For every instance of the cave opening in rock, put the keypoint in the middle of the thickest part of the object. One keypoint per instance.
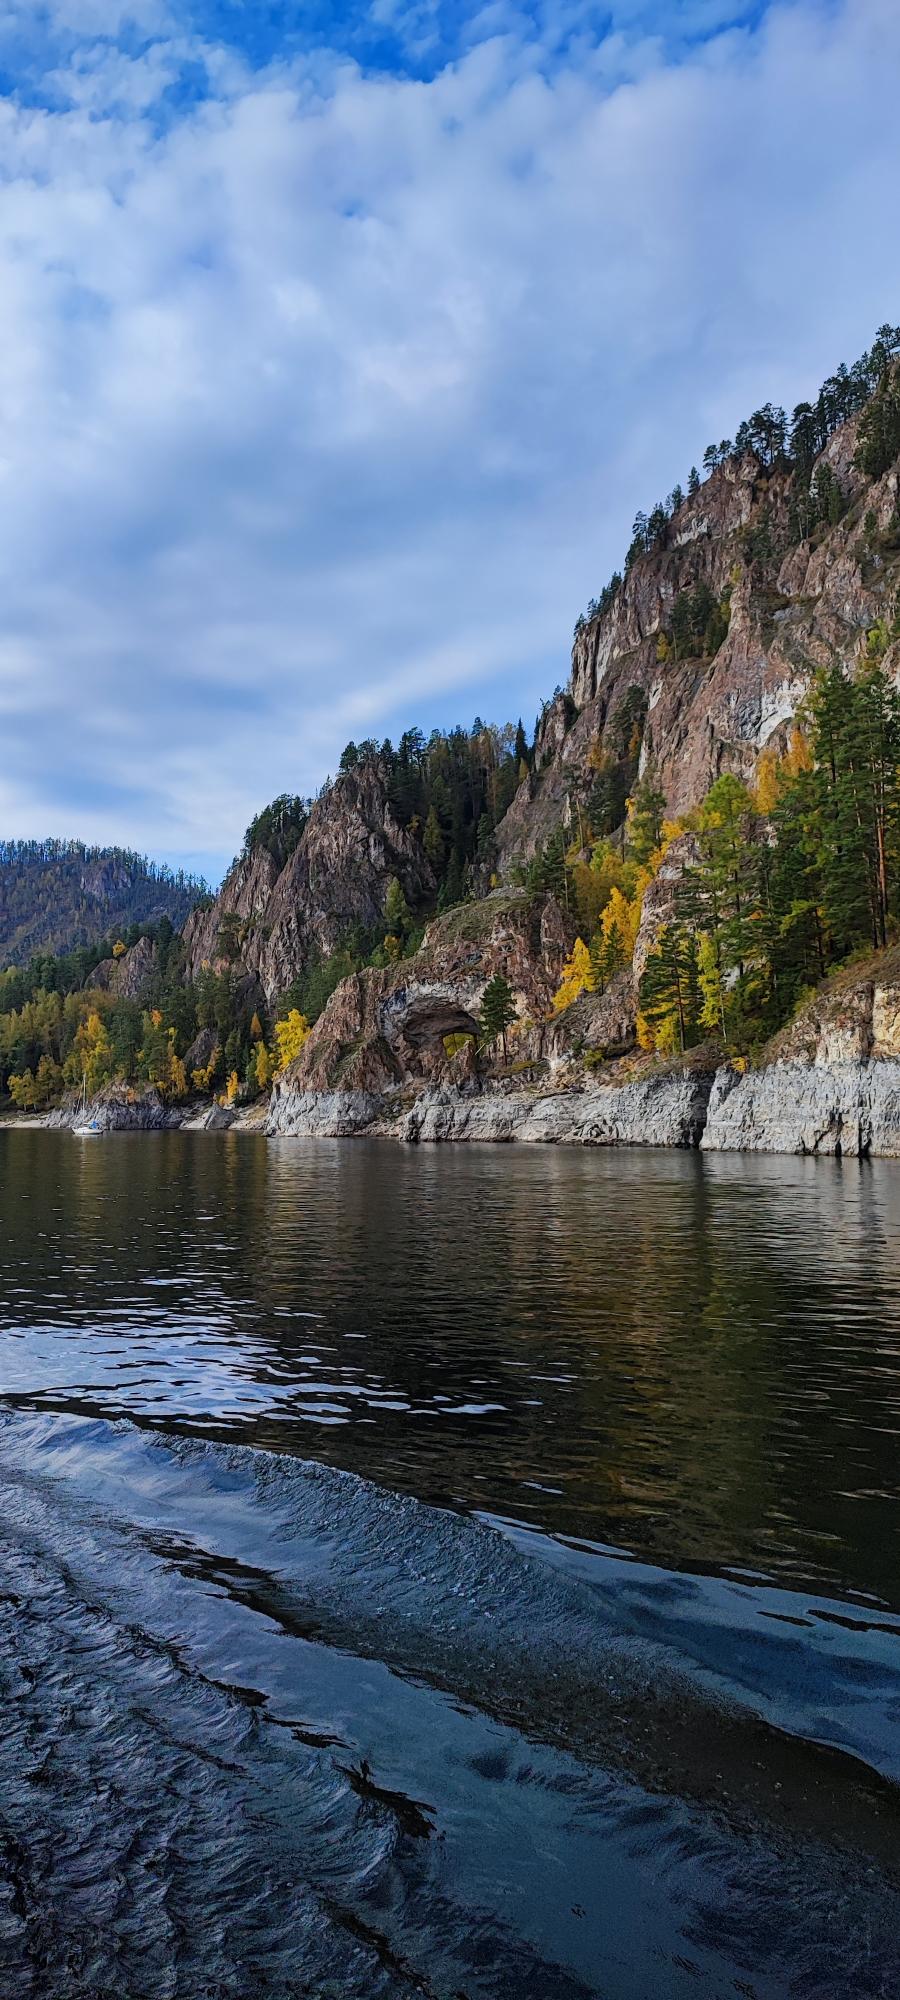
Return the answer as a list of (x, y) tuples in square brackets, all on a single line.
[(431, 1018)]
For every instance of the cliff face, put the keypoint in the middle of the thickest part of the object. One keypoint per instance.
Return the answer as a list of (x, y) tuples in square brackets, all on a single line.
[(127, 976), (793, 608), (385, 1029), (337, 877)]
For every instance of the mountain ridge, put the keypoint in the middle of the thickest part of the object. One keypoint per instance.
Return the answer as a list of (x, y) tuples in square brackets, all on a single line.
[(57, 895)]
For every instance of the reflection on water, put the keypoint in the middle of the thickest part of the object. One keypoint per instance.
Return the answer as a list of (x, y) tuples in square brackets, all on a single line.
[(693, 1358), (274, 1728)]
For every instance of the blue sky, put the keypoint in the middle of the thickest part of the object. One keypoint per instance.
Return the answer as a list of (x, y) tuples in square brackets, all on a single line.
[(341, 346)]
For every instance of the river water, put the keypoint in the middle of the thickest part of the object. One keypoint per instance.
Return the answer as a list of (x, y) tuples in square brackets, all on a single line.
[(452, 1572)]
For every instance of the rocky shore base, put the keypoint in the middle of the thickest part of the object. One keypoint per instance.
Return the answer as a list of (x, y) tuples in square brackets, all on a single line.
[(841, 1108)]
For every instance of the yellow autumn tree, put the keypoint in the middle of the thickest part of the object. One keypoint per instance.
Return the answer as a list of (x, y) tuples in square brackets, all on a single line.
[(256, 1029), (202, 1079), (799, 756), (591, 885), (91, 1055), (622, 916), (773, 773), (232, 1088), (175, 1086), (712, 990), (22, 1091), (660, 1036), (48, 1082), (577, 977), (119, 949), (645, 1033), (265, 1067), (290, 1036), (767, 784)]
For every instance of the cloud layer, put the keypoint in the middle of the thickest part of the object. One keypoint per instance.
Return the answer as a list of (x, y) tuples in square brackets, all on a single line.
[(331, 384)]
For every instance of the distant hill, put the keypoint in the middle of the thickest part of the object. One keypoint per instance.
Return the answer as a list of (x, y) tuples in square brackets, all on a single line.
[(57, 894)]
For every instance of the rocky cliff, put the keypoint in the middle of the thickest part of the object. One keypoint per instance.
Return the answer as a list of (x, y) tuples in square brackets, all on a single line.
[(274, 920), (791, 606), (387, 1029), (785, 605)]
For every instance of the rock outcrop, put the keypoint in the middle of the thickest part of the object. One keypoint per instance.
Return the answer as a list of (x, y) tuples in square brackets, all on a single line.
[(276, 920), (832, 1081), (127, 976), (845, 1109), (386, 1028), (327, 1114), (792, 608), (849, 1109), (664, 1109), (830, 1085)]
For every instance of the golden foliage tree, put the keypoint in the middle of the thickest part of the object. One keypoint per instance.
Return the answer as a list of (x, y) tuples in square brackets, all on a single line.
[(577, 977), (91, 1056), (22, 1091), (48, 1082), (290, 1036)]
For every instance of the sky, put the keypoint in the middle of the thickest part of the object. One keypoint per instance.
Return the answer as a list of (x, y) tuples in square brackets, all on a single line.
[(340, 346)]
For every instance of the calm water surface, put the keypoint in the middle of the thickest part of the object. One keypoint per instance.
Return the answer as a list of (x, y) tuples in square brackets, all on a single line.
[(587, 1679)]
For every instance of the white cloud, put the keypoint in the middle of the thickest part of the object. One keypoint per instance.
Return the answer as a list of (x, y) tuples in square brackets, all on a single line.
[(328, 401)]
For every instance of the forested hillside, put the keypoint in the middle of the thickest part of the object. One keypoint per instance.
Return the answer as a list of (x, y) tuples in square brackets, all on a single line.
[(58, 894)]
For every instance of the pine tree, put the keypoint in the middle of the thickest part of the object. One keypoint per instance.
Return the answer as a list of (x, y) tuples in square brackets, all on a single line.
[(720, 889), (433, 840), (397, 913), (669, 992), (856, 745), (451, 889), (549, 873), (497, 1011), (645, 821)]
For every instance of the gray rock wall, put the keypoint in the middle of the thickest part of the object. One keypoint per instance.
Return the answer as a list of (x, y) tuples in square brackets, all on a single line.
[(322, 1114), (666, 1110), (661, 1111), (842, 1108)]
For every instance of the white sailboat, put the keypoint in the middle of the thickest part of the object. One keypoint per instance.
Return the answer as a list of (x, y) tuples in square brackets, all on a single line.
[(86, 1128)]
